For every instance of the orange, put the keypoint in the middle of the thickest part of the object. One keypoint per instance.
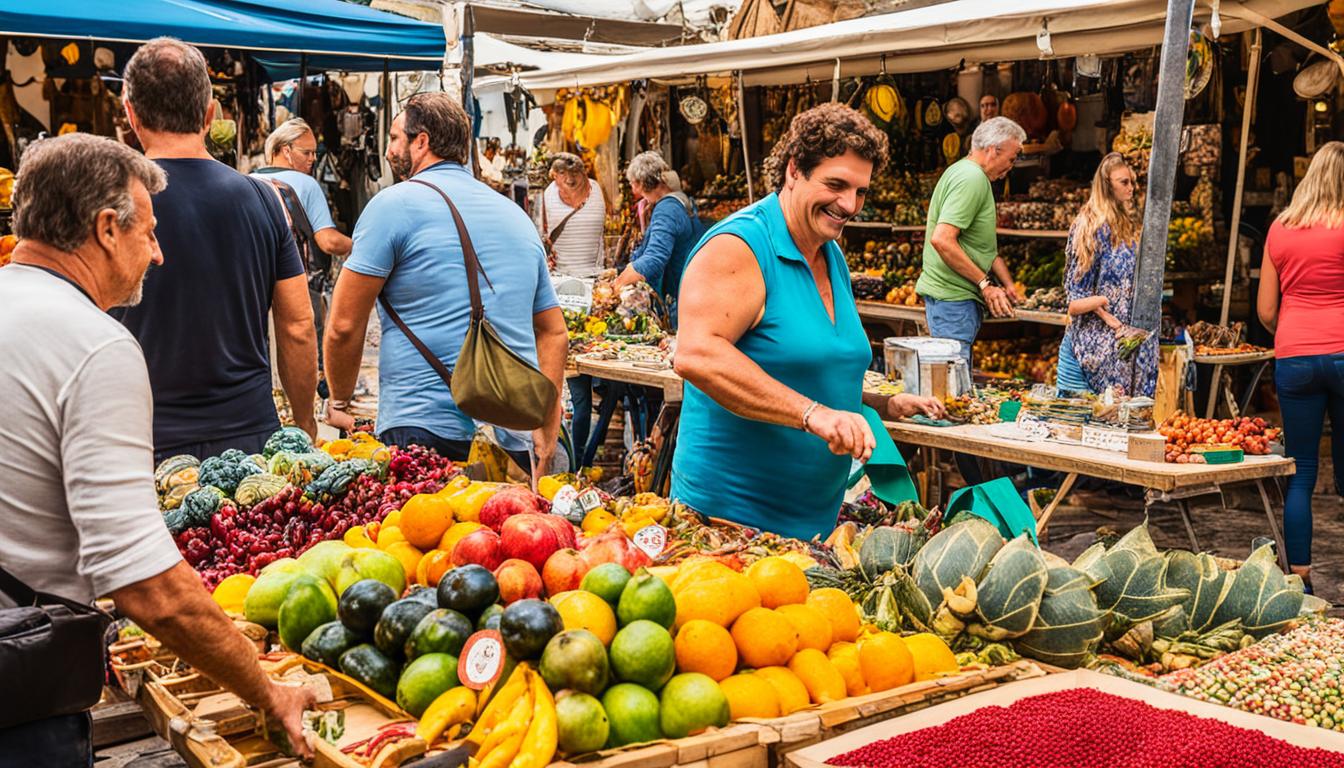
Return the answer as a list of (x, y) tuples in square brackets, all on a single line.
[(764, 638), (424, 518), (697, 568), (823, 681), (845, 657), (790, 690), (779, 581), (705, 647), (408, 555), (931, 656), (839, 610), (814, 630), (885, 661), (585, 610), (597, 520), (720, 596), (750, 696), (435, 563), (455, 533)]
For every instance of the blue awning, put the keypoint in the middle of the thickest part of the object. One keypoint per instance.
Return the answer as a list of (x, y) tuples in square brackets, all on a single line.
[(334, 35)]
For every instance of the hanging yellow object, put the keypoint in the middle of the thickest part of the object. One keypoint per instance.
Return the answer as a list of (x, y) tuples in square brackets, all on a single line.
[(569, 123), (70, 53), (882, 100), (597, 124)]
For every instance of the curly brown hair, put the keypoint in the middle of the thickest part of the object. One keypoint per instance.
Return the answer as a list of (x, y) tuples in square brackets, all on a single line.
[(826, 130)]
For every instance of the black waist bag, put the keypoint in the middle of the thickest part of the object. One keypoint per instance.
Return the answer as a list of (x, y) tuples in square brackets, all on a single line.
[(51, 654)]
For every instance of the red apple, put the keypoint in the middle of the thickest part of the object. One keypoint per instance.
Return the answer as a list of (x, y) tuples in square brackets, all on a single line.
[(564, 571), (480, 547), (507, 502), (518, 580), (529, 537), (614, 547)]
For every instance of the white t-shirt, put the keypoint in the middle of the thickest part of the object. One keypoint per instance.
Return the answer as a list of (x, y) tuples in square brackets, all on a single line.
[(578, 250), (80, 518)]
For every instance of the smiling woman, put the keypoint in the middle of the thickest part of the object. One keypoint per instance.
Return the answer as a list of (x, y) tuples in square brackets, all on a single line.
[(770, 342)]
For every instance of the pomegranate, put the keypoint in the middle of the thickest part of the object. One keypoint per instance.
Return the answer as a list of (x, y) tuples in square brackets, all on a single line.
[(518, 580), (480, 547), (614, 547), (563, 571), (529, 537), (507, 502)]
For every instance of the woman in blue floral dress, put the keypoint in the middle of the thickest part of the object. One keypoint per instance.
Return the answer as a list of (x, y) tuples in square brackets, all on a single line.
[(1101, 259)]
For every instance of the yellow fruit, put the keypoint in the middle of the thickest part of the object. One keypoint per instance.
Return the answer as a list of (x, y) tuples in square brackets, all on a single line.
[(585, 610), (632, 525), (424, 518), (231, 592), (597, 521), (750, 696), (407, 554), (823, 681), (790, 690), (697, 568), (705, 647), (455, 534), (420, 568), (764, 638), (885, 661), (548, 486), (358, 537), (931, 656), (720, 600), (389, 535), (778, 581), (839, 610), (845, 657), (467, 504), (393, 519), (814, 630), (458, 483), (435, 563)]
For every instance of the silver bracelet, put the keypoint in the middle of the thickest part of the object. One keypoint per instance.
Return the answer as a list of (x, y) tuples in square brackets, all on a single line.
[(338, 405), (808, 414)]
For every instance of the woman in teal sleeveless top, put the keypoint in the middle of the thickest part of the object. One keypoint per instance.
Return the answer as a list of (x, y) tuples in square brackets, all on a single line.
[(771, 346)]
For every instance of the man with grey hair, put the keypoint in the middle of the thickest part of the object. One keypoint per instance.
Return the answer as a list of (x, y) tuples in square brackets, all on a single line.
[(230, 260), (81, 516), (291, 151), (673, 229)]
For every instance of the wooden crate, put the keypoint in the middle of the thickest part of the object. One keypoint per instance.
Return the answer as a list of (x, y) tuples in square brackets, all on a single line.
[(811, 726), (740, 745)]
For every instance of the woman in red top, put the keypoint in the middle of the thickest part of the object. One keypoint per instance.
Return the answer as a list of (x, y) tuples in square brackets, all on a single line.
[(1302, 301)]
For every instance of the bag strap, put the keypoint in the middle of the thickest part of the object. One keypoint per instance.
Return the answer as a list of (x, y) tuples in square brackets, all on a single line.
[(468, 255), (434, 362), (24, 595), (318, 259)]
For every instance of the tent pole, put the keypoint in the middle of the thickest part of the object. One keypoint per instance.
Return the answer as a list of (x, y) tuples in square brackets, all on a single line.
[(742, 128), (468, 71), (1146, 310), (1248, 106)]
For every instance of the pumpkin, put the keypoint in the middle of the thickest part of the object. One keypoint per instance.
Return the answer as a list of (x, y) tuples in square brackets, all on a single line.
[(1009, 594), (887, 547), (290, 439), (335, 479), (175, 471), (955, 553), (1068, 623), (195, 511), (1027, 110), (256, 488)]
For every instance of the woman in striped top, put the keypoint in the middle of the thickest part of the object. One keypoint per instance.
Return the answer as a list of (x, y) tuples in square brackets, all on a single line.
[(573, 214)]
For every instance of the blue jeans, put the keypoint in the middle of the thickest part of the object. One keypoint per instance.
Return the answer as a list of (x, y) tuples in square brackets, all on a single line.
[(958, 320), (1069, 377), (64, 741), (1309, 387), (581, 398)]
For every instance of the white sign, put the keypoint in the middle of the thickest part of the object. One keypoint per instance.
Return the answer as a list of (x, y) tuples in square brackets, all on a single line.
[(651, 539), (590, 500), (482, 659), (565, 503), (573, 293)]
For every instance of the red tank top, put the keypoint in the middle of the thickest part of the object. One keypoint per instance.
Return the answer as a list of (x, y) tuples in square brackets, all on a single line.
[(1310, 263)]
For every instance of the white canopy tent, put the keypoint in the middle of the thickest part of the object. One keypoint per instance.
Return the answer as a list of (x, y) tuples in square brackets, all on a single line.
[(919, 40)]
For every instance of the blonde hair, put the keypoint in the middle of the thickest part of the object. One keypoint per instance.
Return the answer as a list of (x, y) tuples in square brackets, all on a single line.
[(1104, 208), (1319, 200), (289, 132)]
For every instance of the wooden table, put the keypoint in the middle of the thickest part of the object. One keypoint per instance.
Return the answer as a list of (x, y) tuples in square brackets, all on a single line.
[(639, 374), (1165, 482), (1221, 383)]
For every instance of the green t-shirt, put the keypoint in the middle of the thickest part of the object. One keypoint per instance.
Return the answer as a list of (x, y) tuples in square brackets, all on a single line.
[(964, 199)]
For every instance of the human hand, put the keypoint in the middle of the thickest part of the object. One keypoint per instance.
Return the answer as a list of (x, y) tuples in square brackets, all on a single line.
[(1016, 295), (845, 433), (339, 419), (997, 300), (287, 703), (903, 405), (543, 454), (1110, 320)]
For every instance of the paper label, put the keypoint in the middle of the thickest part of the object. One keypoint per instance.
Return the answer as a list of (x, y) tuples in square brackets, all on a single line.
[(590, 500), (651, 539), (482, 659), (566, 505)]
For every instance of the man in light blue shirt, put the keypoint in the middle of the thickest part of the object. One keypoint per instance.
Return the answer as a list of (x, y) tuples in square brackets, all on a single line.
[(407, 250), (290, 152)]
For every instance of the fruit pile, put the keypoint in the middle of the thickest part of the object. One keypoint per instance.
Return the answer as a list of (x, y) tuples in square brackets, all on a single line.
[(1294, 676), (1026, 359), (1187, 436), (1047, 730)]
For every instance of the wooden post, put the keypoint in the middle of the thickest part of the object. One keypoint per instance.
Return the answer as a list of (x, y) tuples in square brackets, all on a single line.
[(742, 128), (1247, 107), (1147, 309)]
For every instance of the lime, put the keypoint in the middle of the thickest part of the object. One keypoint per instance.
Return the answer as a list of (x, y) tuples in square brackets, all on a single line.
[(606, 581)]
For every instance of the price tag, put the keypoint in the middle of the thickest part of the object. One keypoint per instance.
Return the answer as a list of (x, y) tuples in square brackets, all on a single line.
[(566, 504), (590, 500), (482, 659), (651, 539)]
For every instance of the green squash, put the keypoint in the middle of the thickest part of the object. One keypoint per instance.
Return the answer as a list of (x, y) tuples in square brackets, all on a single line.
[(1068, 623), (256, 488), (1009, 594), (887, 547)]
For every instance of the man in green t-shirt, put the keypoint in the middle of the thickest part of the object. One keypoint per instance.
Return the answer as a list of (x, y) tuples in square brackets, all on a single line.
[(962, 269)]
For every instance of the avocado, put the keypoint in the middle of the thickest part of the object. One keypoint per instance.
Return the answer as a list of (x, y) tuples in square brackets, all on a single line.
[(367, 665), (328, 642), (362, 604), (399, 620)]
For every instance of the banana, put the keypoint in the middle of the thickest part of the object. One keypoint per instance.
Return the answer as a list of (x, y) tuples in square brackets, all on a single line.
[(453, 707), (501, 705), (502, 745), (542, 735)]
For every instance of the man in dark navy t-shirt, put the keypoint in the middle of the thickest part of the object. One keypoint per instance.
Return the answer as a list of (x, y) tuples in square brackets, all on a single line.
[(229, 259)]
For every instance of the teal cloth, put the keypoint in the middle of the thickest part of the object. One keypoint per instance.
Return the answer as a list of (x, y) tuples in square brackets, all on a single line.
[(998, 502), (777, 478), (887, 474)]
